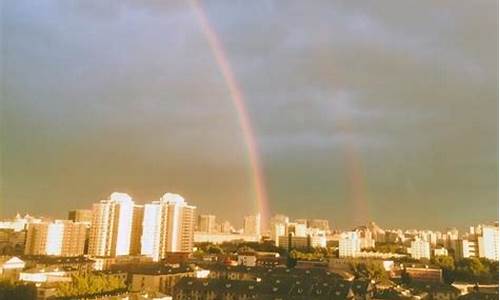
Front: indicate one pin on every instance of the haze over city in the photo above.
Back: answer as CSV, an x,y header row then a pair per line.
x,y
385,111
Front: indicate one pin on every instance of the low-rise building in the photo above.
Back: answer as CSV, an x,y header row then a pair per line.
x,y
158,278
11,267
211,289
425,274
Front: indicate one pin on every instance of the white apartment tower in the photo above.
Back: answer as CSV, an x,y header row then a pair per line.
x,y
251,225
349,244
168,226
420,249
111,229
278,225
488,242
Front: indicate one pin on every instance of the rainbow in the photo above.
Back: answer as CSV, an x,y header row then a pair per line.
x,y
355,171
239,103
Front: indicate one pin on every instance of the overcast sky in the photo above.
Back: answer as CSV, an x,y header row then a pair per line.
x,y
103,96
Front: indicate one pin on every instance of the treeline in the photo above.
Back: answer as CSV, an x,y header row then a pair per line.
x,y
89,285
472,269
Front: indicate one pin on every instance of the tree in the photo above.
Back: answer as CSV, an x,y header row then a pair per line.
x,y
368,269
89,284
473,270
447,264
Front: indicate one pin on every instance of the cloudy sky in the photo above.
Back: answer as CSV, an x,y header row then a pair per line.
x,y
394,103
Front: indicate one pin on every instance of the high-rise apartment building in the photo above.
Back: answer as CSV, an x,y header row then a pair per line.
x,y
251,225
168,227
319,224
349,244
278,227
298,229
481,241
420,249
80,215
59,238
112,226
488,242
206,223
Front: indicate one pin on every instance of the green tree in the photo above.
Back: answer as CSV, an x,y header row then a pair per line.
x,y
447,264
368,269
473,270
89,284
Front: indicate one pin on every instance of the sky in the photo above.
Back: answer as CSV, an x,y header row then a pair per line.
x,y
378,110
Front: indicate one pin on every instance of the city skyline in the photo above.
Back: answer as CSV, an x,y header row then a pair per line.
x,y
358,112
240,220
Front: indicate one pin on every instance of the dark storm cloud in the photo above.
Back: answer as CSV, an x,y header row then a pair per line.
x,y
98,96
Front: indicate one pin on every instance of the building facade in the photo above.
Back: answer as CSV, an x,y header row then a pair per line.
x,y
168,227
420,249
112,226
251,225
58,238
349,244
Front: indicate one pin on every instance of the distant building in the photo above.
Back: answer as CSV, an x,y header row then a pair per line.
x,y
206,223
251,225
349,244
420,249
319,224
302,242
464,248
80,215
440,252
226,227
219,237
19,223
168,227
278,227
277,230
481,241
298,229
59,238
111,229
488,242
425,274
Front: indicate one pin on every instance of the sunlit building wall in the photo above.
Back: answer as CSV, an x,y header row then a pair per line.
x,y
251,225
168,226
111,229
420,249
349,244
59,238
488,243
55,235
